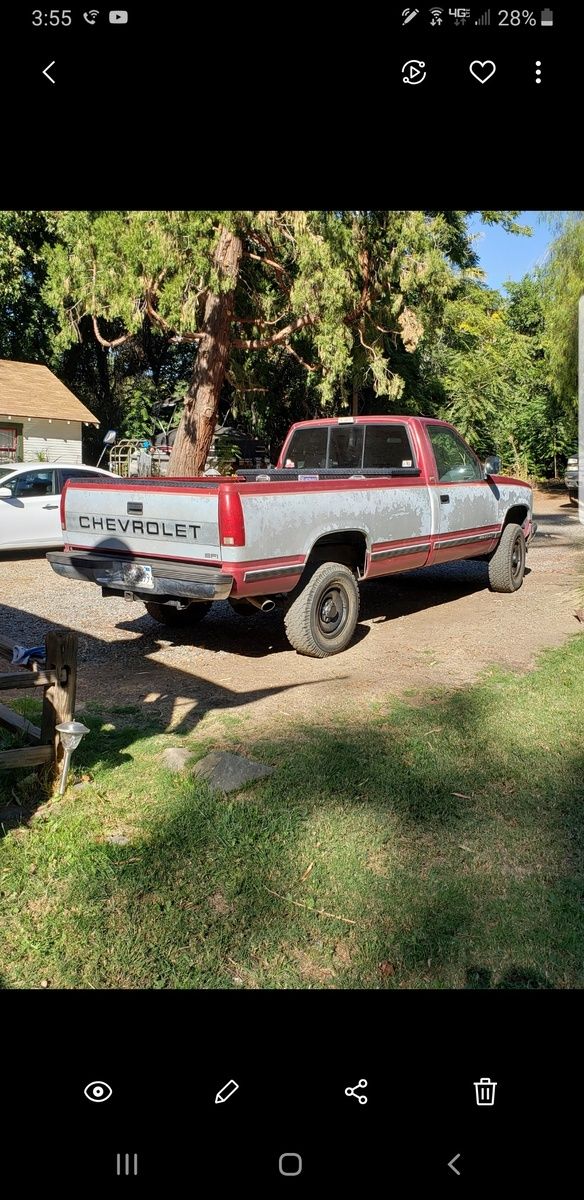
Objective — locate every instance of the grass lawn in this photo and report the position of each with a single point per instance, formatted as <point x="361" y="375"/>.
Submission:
<point x="437" y="841"/>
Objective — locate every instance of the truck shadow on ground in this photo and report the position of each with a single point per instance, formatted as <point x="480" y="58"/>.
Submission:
<point x="259" y="634"/>
<point x="224" y="631"/>
<point x="557" y="527"/>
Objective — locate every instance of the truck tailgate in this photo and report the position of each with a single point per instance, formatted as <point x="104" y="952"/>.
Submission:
<point x="178" y="519"/>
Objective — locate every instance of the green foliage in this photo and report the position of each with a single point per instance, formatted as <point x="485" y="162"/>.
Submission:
<point x="492" y="362"/>
<point x="225" y="455"/>
<point x="562" y="280"/>
<point x="117" y="266"/>
<point x="26" y="320"/>
<point x="354" y="289"/>
<point x="137" y="396"/>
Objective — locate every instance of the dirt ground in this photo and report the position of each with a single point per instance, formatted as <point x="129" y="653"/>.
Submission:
<point x="440" y="626"/>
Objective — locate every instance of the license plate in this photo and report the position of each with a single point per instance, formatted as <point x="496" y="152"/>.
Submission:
<point x="138" y="576"/>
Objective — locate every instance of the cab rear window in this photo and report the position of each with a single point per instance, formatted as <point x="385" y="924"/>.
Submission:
<point x="350" y="447"/>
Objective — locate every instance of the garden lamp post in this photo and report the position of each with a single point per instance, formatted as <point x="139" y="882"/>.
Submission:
<point x="70" y="734"/>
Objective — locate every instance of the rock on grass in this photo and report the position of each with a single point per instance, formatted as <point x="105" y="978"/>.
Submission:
<point x="176" y="758"/>
<point x="227" y="772"/>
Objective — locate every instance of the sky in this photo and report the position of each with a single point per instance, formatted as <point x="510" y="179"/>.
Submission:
<point x="509" y="255"/>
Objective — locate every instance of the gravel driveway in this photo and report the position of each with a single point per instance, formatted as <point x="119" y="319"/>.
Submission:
<point x="437" y="626"/>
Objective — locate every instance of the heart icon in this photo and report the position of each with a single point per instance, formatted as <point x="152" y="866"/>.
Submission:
<point x="482" y="70"/>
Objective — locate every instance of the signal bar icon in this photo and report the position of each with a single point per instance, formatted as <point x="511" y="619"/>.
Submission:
<point x="485" y="19"/>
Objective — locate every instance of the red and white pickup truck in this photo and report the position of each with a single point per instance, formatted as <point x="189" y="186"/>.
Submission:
<point x="350" y="499"/>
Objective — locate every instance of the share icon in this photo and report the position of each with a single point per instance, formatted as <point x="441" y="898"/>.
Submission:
<point x="352" y="1091"/>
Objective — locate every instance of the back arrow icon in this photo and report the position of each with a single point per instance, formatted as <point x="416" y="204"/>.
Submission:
<point x="47" y="69"/>
<point x="452" y="1162"/>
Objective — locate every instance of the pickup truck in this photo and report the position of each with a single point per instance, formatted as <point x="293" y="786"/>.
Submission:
<point x="350" y="499"/>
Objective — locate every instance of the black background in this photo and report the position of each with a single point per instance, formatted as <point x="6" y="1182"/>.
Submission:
<point x="291" y="108"/>
<point x="203" y="107"/>
<point x="166" y="1056"/>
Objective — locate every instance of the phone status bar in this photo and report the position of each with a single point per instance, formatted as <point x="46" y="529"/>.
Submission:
<point x="514" y="18"/>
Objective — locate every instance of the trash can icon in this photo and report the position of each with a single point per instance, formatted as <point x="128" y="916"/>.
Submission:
<point x="485" y="1090"/>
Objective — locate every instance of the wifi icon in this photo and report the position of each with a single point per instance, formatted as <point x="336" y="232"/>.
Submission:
<point x="91" y="16"/>
<point x="436" y="14"/>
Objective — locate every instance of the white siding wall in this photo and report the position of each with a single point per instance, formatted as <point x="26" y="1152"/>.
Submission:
<point x="60" y="441"/>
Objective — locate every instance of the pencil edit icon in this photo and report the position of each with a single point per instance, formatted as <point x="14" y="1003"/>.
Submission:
<point x="226" y="1092"/>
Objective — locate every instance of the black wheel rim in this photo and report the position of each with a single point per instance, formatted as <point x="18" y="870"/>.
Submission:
<point x="517" y="559"/>
<point x="332" y="610"/>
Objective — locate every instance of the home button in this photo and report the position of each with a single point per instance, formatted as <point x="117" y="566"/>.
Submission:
<point x="290" y="1164"/>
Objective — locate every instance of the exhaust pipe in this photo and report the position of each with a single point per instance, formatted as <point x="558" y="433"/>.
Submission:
<point x="263" y="603"/>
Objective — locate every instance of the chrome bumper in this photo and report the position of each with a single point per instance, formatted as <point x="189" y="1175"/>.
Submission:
<point x="181" y="581"/>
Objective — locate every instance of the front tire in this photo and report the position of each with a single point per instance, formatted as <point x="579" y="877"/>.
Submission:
<point x="321" y="620"/>
<point x="169" y="614"/>
<point x="507" y="566"/>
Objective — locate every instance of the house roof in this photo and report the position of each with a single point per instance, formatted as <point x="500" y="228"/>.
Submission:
<point x="29" y="390"/>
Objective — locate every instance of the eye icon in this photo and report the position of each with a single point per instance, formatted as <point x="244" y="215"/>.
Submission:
<point x="98" y="1091"/>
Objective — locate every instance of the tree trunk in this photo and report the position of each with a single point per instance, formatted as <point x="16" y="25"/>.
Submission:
<point x="194" y="434"/>
<point x="355" y="398"/>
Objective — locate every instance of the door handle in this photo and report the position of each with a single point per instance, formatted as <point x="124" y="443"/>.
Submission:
<point x="444" y="499"/>
<point x="50" y="505"/>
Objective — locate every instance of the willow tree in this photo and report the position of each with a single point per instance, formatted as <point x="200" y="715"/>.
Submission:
<point x="562" y="278"/>
<point x="345" y="293"/>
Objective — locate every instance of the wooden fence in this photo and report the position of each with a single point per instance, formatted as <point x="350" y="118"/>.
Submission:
<point x="58" y="679"/>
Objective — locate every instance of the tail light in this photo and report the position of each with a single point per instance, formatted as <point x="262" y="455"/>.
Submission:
<point x="231" y="523"/>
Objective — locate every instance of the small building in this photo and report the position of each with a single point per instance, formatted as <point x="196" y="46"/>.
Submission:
<point x="40" y="419"/>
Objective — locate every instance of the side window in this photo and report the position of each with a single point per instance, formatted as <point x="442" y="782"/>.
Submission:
<point x="74" y="473"/>
<point x="34" y="483"/>
<point x="454" y="461"/>
<point x="387" y="446"/>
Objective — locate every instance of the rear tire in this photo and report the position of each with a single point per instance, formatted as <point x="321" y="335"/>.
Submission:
<point x="507" y="566"/>
<point x="169" y="614"/>
<point x="321" y="620"/>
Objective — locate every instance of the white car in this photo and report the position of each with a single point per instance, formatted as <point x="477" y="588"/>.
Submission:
<point x="30" y="498"/>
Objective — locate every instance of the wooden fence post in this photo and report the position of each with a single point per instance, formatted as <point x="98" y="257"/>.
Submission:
<point x="59" y="697"/>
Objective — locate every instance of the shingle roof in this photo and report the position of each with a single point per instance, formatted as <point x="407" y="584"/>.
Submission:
<point x="29" y="390"/>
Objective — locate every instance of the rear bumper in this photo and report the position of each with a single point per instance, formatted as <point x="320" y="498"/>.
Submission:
<point x="181" y="581"/>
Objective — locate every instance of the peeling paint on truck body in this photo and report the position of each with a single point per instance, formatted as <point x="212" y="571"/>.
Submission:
<point x="260" y="531"/>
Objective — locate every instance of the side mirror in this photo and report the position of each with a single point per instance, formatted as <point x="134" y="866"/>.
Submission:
<point x="492" y="465"/>
<point x="5" y="493"/>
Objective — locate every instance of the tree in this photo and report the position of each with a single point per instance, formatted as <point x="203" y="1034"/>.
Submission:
<point x="491" y="362"/>
<point x="345" y="294"/>
<point x="26" y="320"/>
<point x="538" y="423"/>
<point x="562" y="279"/>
